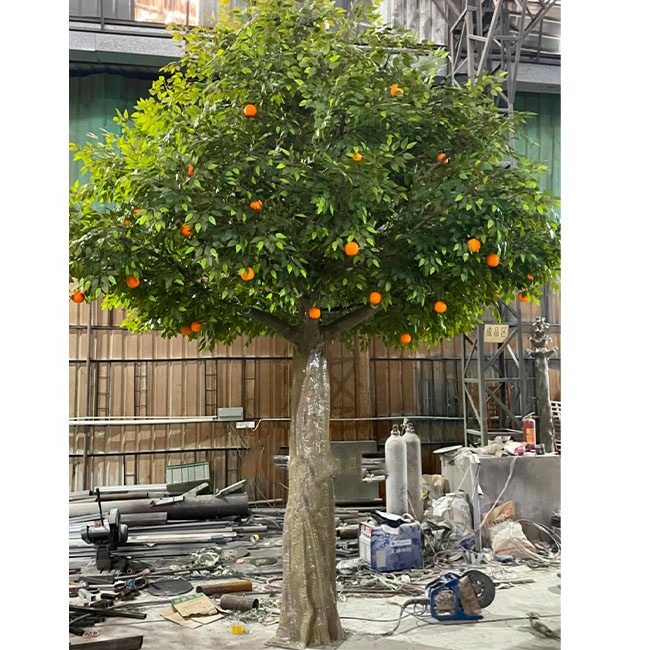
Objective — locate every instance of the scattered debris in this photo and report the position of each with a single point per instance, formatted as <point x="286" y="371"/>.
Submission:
<point x="541" y="628"/>
<point x="230" y="566"/>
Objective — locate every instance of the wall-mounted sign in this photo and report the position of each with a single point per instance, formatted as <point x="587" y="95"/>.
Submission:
<point x="495" y="333"/>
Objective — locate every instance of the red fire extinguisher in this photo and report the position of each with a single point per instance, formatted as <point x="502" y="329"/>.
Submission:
<point x="528" y="429"/>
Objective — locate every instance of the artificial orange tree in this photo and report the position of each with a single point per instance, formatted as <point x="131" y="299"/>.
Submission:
<point x="310" y="174"/>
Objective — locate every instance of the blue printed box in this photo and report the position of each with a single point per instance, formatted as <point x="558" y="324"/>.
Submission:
<point x="386" y="548"/>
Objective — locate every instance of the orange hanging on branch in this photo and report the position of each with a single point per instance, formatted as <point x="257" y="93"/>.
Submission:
<point x="357" y="157"/>
<point x="190" y="169"/>
<point x="442" y="158"/>
<point x="196" y="326"/>
<point x="256" y="205"/>
<point x="375" y="298"/>
<point x="440" y="307"/>
<point x="186" y="330"/>
<point x="473" y="244"/>
<point x="78" y="297"/>
<point x="250" y="110"/>
<point x="314" y="313"/>
<point x="395" y="90"/>
<point x="351" y="248"/>
<point x="132" y="282"/>
<point x="186" y="230"/>
<point x="493" y="260"/>
<point x="405" y="338"/>
<point x="248" y="274"/>
<point x="523" y="296"/>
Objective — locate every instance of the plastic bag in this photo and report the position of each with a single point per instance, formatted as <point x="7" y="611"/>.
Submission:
<point x="508" y="538"/>
<point x="454" y="509"/>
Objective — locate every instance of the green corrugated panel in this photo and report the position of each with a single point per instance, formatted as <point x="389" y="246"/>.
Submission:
<point x="541" y="134"/>
<point x="93" y="101"/>
<point x="95" y="98"/>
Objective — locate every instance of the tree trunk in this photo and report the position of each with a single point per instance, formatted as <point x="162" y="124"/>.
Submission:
<point x="308" y="614"/>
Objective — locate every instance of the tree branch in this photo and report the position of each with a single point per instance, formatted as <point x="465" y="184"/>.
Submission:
<point x="354" y="318"/>
<point x="276" y="324"/>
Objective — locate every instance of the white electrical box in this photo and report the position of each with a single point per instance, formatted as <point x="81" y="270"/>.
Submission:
<point x="230" y="414"/>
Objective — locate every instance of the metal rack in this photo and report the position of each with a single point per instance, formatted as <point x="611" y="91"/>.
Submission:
<point x="494" y="372"/>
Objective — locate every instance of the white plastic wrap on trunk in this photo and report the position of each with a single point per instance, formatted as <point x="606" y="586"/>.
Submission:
<point x="414" y="472"/>
<point x="308" y="613"/>
<point x="396" y="483"/>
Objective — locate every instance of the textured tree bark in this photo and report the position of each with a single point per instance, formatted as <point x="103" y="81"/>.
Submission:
<point x="308" y="614"/>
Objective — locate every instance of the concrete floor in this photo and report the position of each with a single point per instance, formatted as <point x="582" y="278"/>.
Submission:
<point x="504" y="625"/>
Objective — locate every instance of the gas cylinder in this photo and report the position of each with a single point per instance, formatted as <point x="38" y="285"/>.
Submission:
<point x="528" y="429"/>
<point x="414" y="472"/>
<point x="396" y="482"/>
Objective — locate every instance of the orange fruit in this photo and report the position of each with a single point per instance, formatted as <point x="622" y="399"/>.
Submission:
<point x="523" y="297"/>
<point x="256" y="205"/>
<point x="394" y="89"/>
<point x="186" y="230"/>
<point x="493" y="260"/>
<point x="405" y="338"/>
<point x="78" y="296"/>
<point x="351" y="248"/>
<point x="375" y="298"/>
<point x="530" y="276"/>
<point x="314" y="312"/>
<point x="473" y="244"/>
<point x="136" y="210"/>
<point x="132" y="282"/>
<point x="190" y="169"/>
<point x="248" y="274"/>
<point x="356" y="156"/>
<point x="442" y="158"/>
<point x="196" y="326"/>
<point x="186" y="330"/>
<point x="250" y="110"/>
<point x="127" y="223"/>
<point x="440" y="307"/>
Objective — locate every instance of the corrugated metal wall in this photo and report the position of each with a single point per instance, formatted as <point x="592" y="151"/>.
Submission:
<point x="117" y="374"/>
<point x="541" y="136"/>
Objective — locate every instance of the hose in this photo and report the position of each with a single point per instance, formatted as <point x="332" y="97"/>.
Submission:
<point x="420" y="600"/>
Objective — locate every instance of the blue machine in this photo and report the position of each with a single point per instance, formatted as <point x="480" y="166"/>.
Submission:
<point x="444" y="600"/>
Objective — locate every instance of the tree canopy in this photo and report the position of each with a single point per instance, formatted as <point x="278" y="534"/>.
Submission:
<point x="283" y="133"/>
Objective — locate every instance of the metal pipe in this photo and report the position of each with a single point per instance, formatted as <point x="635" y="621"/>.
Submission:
<point x="199" y="507"/>
<point x="142" y="452"/>
<point x="117" y="421"/>
<point x="89" y="431"/>
<point x="238" y="602"/>
<point x="145" y="487"/>
<point x="225" y="587"/>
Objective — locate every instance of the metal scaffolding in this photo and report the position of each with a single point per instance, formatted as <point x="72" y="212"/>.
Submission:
<point x="488" y="36"/>
<point x="495" y="380"/>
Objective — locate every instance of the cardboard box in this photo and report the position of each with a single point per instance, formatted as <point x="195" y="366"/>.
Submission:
<point x="386" y="548"/>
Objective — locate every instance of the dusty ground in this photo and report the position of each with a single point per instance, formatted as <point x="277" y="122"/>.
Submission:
<point x="366" y="619"/>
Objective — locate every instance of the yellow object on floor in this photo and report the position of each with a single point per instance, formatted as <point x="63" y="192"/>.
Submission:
<point x="236" y="627"/>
